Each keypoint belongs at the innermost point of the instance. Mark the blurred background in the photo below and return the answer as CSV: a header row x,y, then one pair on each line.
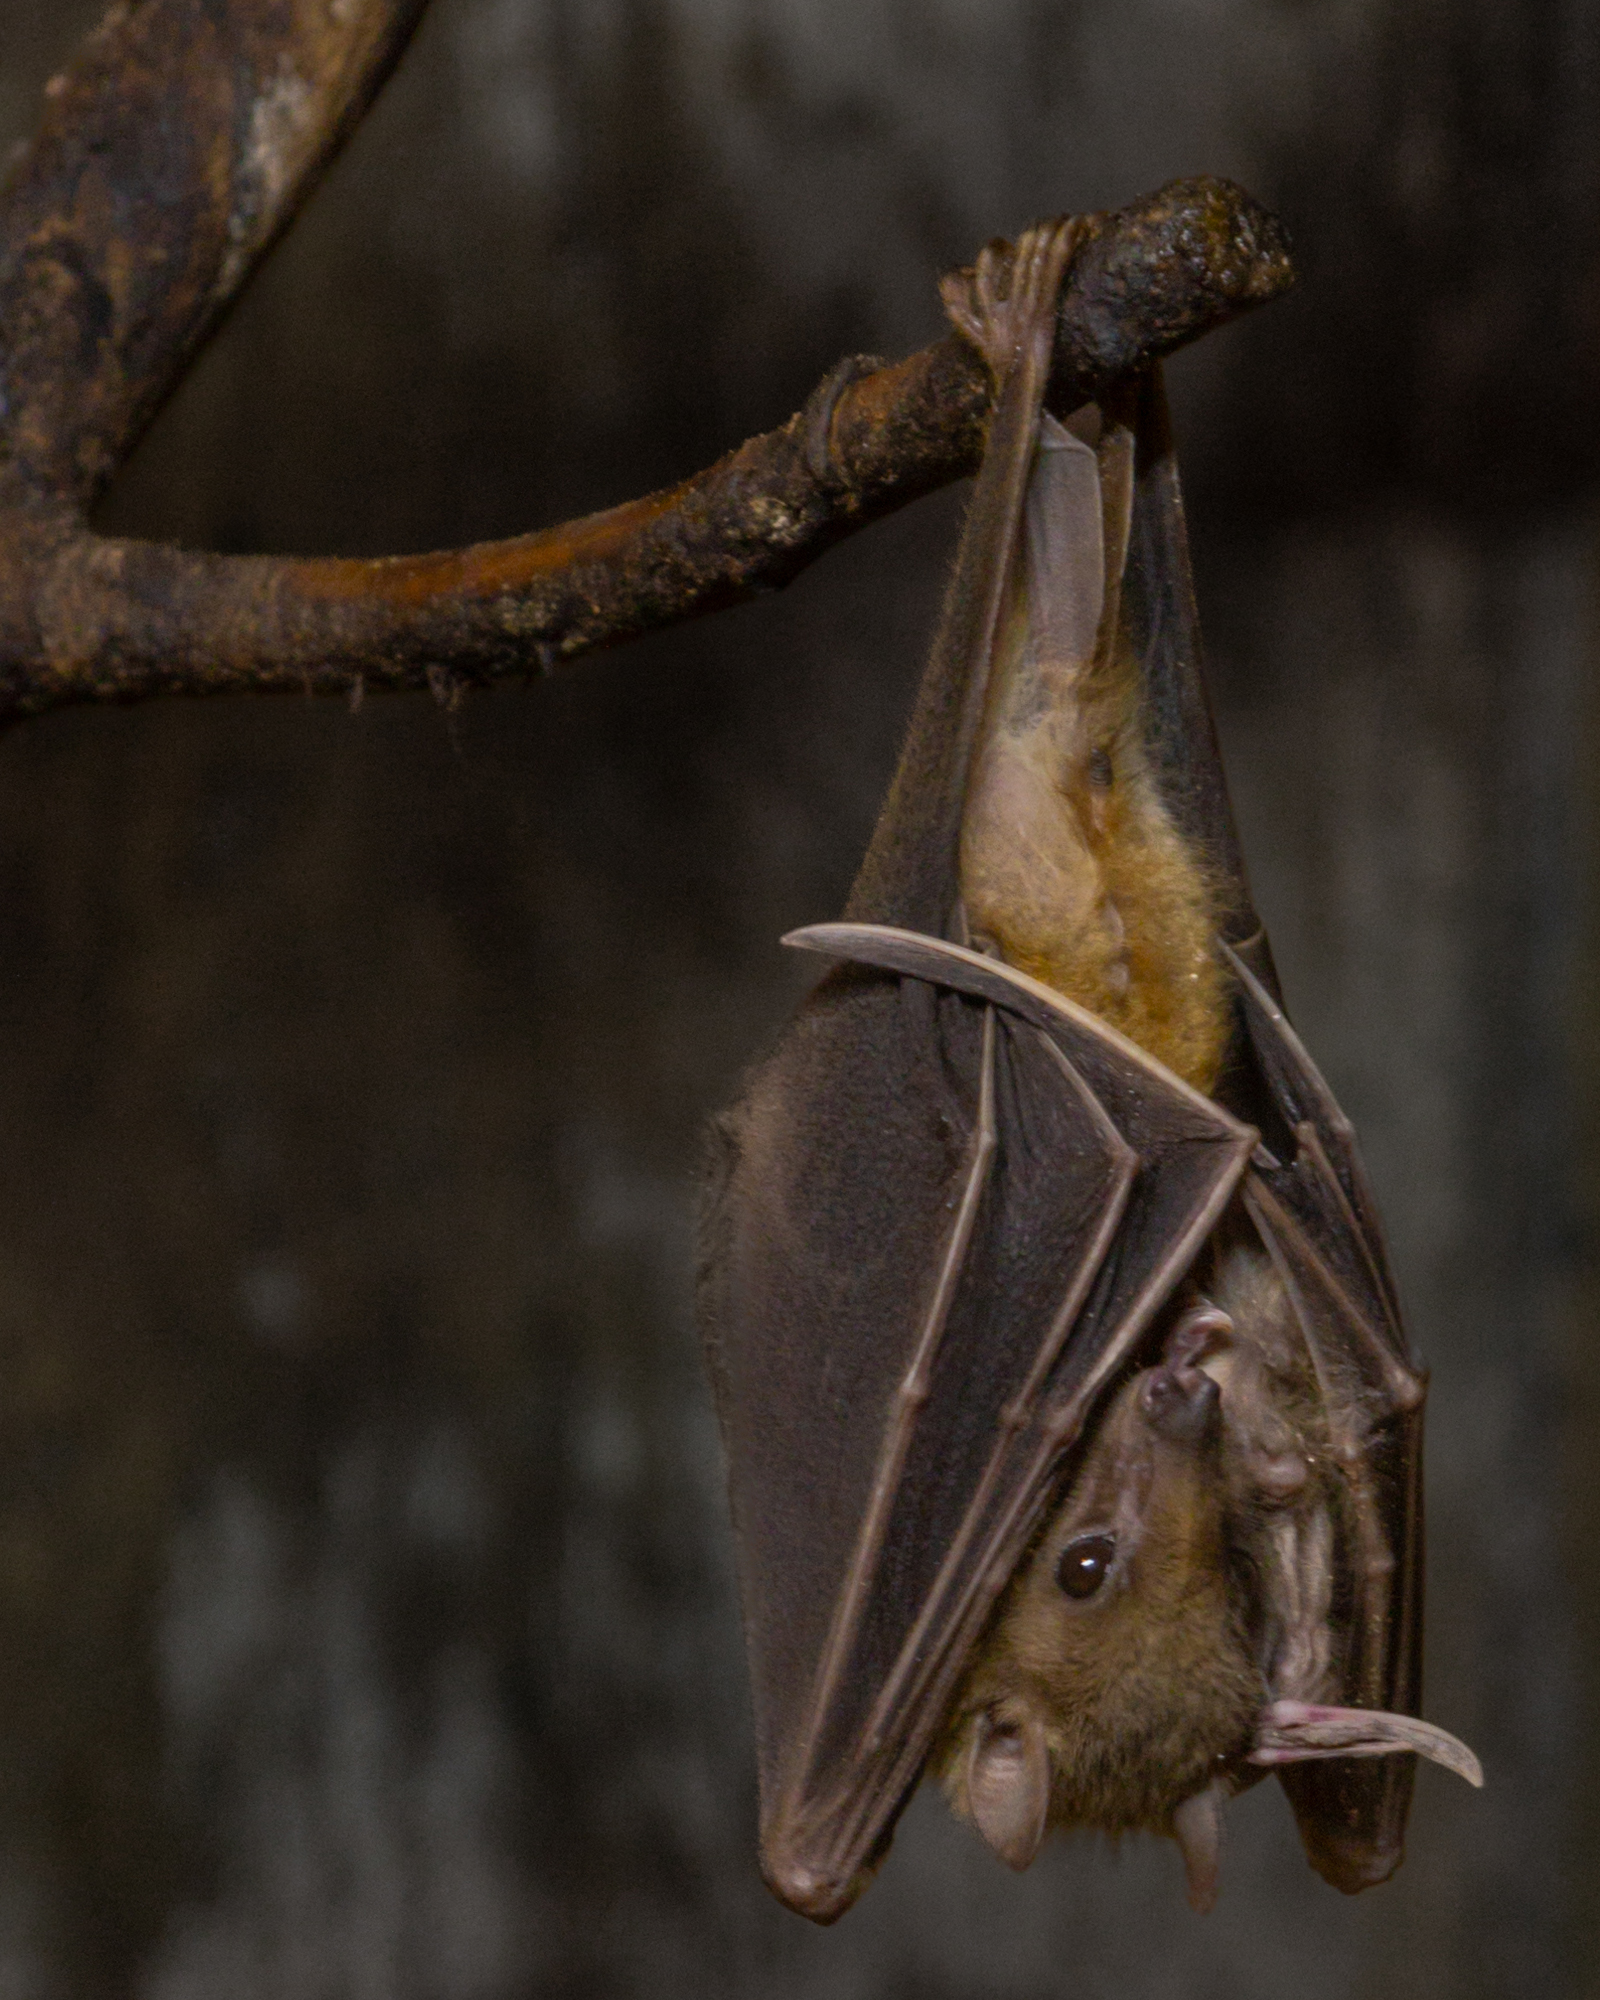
x,y
367,1624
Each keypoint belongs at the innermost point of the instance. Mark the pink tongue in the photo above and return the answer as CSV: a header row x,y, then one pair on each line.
x,y
1294,1732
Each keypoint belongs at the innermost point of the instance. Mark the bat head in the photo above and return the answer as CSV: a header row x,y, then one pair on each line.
x,y
1173,1626
1122,1675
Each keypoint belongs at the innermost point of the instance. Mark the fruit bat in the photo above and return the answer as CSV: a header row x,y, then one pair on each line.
x,y
1074,1442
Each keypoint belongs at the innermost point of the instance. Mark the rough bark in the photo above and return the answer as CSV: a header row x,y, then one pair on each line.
x,y
171,155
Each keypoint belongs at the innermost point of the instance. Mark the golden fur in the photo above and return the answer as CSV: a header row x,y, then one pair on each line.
x,y
1071,867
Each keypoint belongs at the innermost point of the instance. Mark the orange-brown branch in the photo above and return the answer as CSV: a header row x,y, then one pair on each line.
x,y
170,156
87,618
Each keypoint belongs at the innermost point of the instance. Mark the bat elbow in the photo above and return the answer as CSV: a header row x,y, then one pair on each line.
x,y
808,1890
1353,1865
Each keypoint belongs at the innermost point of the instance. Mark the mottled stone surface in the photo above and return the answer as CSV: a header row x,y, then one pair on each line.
x,y
365,1606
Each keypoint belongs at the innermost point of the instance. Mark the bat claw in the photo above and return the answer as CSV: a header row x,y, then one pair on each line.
x,y
1182,1404
995,302
817,419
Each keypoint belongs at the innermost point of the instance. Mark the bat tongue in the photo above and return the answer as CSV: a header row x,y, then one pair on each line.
x,y
1294,1732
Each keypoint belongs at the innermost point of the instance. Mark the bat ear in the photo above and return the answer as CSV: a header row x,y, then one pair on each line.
x,y
1008,1785
1197,1828
1295,1732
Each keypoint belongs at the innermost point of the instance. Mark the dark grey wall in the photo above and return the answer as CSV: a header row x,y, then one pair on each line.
x,y
366,1625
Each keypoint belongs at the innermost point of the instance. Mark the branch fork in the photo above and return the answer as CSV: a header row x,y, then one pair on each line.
x,y
172,154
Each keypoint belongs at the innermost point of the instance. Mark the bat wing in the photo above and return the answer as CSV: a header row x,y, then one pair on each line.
x,y
945,1212
1161,625
1307,1194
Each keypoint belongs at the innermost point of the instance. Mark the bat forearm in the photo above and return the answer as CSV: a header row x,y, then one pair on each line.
x,y
85,618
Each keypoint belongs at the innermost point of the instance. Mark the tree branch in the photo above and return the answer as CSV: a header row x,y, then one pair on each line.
x,y
171,154
87,618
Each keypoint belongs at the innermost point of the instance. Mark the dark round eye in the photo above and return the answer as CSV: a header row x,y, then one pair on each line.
x,y
1100,769
1085,1564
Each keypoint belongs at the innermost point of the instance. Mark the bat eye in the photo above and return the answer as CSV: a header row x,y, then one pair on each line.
x,y
1100,769
1085,1564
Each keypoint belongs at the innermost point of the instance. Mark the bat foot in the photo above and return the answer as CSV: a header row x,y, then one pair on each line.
x,y
997,302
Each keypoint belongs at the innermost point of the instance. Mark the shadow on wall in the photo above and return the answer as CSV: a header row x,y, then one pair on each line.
x,y
365,1600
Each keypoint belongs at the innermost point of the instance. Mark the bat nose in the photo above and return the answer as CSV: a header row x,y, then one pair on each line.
x,y
1180,1404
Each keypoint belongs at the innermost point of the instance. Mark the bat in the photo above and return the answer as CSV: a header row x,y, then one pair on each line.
x,y
1074,1442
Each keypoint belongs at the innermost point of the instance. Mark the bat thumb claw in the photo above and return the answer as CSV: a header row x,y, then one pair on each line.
x,y
1198,1332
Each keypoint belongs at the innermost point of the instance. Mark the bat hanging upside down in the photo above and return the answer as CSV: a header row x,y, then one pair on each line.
x,y
1074,1442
